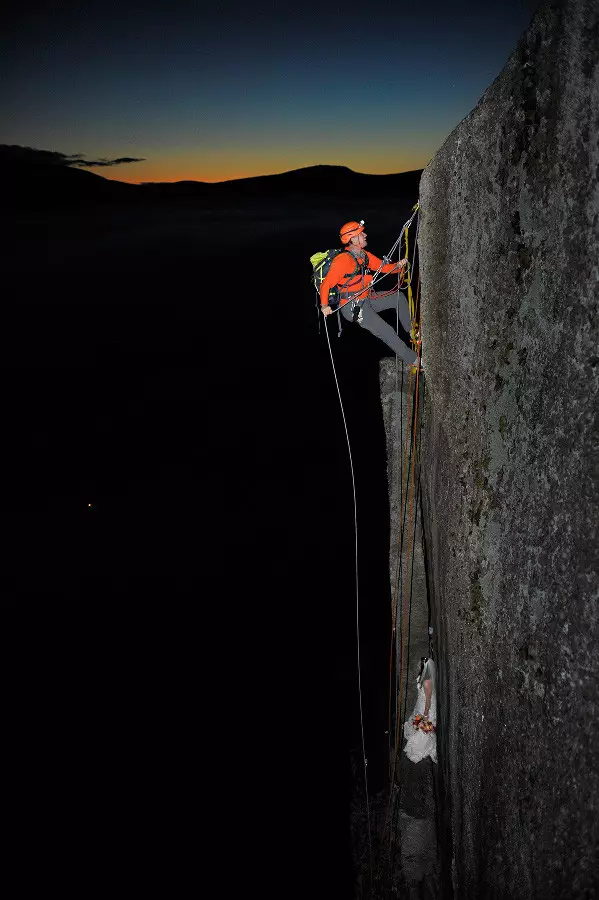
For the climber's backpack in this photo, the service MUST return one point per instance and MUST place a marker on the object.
(321, 263)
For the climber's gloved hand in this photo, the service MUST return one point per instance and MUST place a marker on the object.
(326, 310)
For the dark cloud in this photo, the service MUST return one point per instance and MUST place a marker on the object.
(16, 153)
(105, 162)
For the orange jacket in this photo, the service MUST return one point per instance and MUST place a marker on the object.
(341, 268)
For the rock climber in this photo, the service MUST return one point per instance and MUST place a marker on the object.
(358, 302)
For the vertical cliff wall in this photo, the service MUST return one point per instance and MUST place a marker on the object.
(509, 244)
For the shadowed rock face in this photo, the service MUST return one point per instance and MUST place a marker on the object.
(509, 244)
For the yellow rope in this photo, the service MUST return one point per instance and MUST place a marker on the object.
(406, 480)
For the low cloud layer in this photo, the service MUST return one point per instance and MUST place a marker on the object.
(16, 153)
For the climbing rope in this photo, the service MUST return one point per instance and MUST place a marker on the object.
(404, 280)
(393, 811)
(404, 277)
(351, 463)
(411, 419)
(387, 258)
(408, 495)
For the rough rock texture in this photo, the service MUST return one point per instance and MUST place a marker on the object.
(509, 244)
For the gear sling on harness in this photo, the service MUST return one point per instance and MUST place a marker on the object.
(321, 263)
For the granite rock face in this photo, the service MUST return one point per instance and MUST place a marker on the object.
(509, 244)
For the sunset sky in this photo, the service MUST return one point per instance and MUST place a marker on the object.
(216, 91)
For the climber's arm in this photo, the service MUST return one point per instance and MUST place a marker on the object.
(374, 262)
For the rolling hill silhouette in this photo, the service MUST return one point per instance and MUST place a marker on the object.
(69, 221)
(30, 183)
(306, 183)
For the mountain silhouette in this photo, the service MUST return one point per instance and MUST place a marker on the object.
(38, 181)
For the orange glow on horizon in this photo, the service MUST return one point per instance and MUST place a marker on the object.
(224, 170)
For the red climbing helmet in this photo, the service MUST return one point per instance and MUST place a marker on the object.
(350, 230)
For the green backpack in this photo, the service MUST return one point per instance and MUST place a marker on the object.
(321, 263)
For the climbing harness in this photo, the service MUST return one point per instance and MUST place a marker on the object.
(321, 263)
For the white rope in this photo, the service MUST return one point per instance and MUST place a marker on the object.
(375, 277)
(378, 274)
(416, 239)
(351, 463)
(389, 255)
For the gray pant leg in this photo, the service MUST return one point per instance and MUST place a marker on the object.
(380, 302)
(395, 301)
(371, 321)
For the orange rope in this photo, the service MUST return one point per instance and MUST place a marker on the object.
(402, 478)
(407, 574)
(409, 548)
(399, 548)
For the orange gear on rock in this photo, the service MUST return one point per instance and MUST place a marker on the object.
(350, 230)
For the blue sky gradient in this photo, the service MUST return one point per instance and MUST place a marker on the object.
(226, 92)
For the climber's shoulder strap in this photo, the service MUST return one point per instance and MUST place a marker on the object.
(360, 265)
(321, 263)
